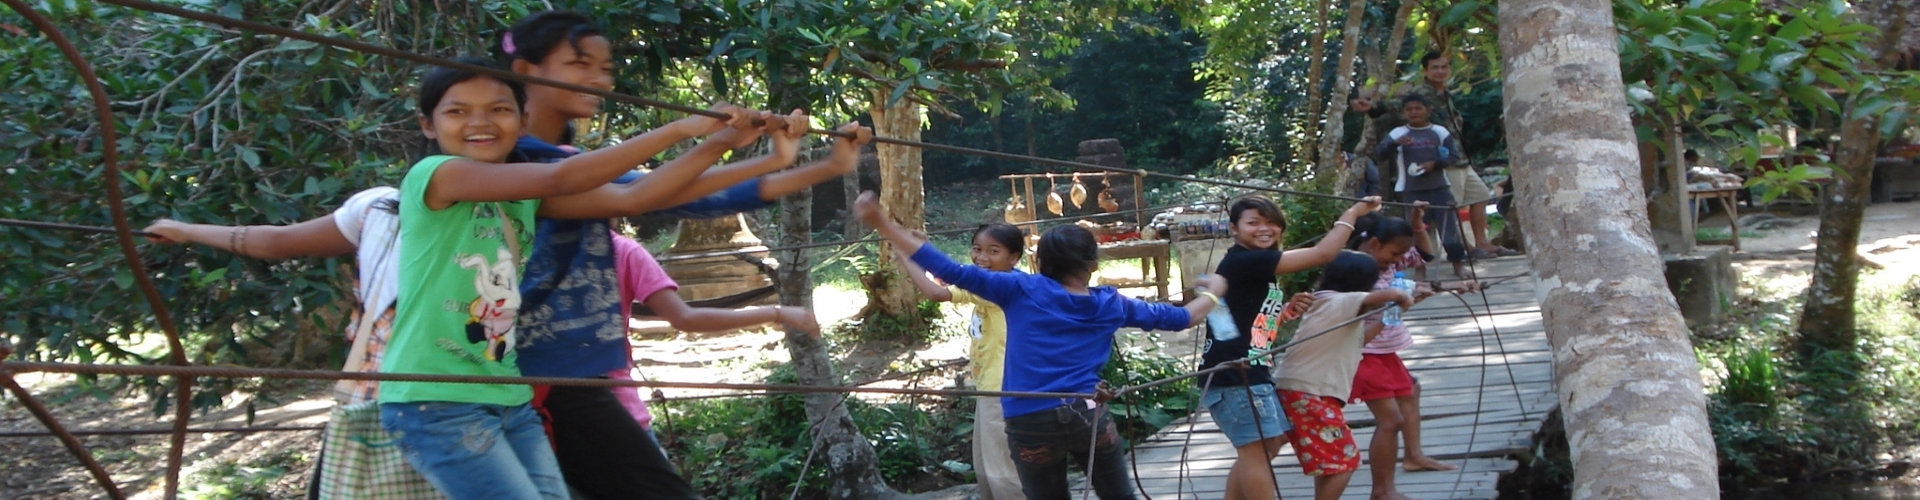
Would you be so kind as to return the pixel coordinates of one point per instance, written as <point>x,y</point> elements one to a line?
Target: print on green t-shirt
<point>459,295</point>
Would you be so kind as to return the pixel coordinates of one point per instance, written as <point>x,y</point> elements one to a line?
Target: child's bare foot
<point>1417,464</point>
<point>1388,495</point>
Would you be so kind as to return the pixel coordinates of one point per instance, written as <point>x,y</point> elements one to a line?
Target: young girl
<point>997,247</point>
<point>1059,333</point>
<point>1245,407</point>
<point>463,231</point>
<point>1382,380</point>
<point>1316,375</point>
<point>572,298</point>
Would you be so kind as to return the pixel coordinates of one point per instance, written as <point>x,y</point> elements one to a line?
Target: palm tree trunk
<point>1628,381</point>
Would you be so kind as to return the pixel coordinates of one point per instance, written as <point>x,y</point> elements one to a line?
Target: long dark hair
<point>436,83</point>
<point>1375,226</point>
<point>534,37</point>
<point>1068,251</point>
<point>1349,272</point>
<point>1006,235</point>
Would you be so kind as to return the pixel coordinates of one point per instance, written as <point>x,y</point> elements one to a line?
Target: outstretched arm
<point>462,179</point>
<point>1207,297</point>
<point>844,160</point>
<point>656,190</point>
<point>933,291</point>
<point>712,319</point>
<point>311,238</point>
<point>1321,253</point>
<point>786,132</point>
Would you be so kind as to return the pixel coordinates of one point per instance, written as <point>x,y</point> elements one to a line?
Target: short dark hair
<point>535,36</point>
<point>1350,271</point>
<point>1068,251</point>
<point>1004,234</point>
<point>1430,57</point>
<point>1413,98</point>
<point>1258,204</point>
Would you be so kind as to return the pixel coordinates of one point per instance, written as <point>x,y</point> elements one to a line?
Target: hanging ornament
<point>1078,192</point>
<point>1054,203</point>
<point>1016,211</point>
<point>1106,201</point>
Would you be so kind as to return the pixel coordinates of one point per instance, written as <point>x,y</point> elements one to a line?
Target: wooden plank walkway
<point>1485,396</point>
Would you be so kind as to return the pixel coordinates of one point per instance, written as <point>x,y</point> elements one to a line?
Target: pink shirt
<point>640,277</point>
<point>1393,338</point>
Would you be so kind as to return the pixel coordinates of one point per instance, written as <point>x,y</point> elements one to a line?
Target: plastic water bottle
<point>1221,322</point>
<point>1391,317</point>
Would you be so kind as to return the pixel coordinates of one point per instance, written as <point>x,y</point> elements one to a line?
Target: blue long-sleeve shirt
<point>570,307</point>
<point>1056,340</point>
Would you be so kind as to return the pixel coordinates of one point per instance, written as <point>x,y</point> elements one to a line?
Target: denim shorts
<point>476,451</point>
<point>1235,413</point>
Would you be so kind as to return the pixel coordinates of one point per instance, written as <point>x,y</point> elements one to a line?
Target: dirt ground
<point>1777,248</point>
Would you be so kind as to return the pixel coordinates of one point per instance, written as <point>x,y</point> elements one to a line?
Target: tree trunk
<point>1629,385</point>
<point>852,466</point>
<point>1328,164</point>
<point>1316,65</point>
<point>1668,211</point>
<point>1379,71</point>
<point>850,189</point>
<point>889,291</point>
<point>1827,319</point>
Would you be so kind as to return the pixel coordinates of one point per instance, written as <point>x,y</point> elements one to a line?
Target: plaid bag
<point>359,461</point>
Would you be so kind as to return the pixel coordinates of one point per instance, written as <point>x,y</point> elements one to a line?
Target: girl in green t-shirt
<point>465,226</point>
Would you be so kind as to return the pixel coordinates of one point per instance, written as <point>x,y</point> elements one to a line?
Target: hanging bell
<point>1054,203</point>
<point>1106,201</point>
<point>1078,192</point>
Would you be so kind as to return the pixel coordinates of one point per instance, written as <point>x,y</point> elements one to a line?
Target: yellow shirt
<point>989,330</point>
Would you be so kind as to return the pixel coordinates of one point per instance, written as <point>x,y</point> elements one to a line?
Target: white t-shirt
<point>371,220</point>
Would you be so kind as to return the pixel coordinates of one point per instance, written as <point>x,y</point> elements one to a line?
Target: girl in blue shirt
<point>1059,334</point>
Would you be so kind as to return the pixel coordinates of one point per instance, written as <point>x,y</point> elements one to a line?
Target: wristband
<point>1345,223</point>
<point>1210,295</point>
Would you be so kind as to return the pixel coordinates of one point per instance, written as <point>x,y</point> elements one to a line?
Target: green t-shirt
<point>459,295</point>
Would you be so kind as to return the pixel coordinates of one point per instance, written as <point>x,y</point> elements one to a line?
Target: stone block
<point>1703,283</point>
<point>1100,147</point>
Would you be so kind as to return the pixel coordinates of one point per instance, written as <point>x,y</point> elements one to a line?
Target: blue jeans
<point>477,451</point>
<point>1042,442</point>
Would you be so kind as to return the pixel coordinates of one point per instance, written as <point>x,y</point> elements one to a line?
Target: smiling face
<point>1252,230</point>
<point>989,253</point>
<point>590,65</point>
<point>475,119</point>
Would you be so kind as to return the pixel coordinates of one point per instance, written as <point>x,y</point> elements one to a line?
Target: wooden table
<point>1728,200</point>
<point>1153,255</point>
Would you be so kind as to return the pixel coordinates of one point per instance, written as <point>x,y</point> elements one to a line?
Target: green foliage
<point>1827,416</point>
<point>215,126</point>
<point>1730,70</point>
<point>755,448</point>
<point>1140,414</point>
<point>1160,113</point>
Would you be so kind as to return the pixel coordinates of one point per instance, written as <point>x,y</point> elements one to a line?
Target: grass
<point>1832,415</point>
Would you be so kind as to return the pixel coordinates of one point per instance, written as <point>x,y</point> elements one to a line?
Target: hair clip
<point>506,43</point>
